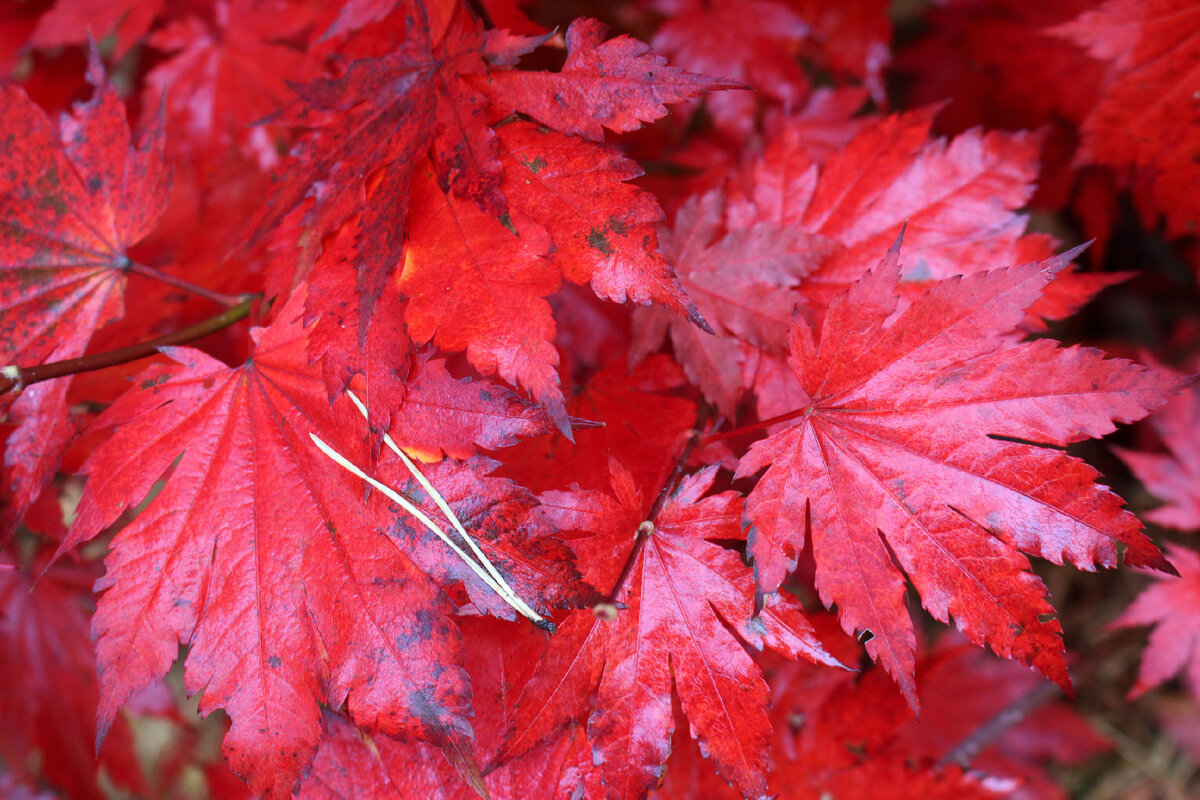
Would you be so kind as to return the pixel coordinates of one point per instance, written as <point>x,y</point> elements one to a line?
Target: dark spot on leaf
<point>535,164</point>
<point>53,203</point>
<point>150,383</point>
<point>506,221</point>
<point>597,241</point>
<point>274,662</point>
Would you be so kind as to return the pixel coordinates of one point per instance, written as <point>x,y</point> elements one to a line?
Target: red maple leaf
<point>570,206</point>
<point>478,285</point>
<point>1174,476</point>
<point>1171,605</point>
<point>500,658</point>
<point>48,695</point>
<point>411,396</point>
<point>643,422</point>
<point>73,199</point>
<point>228,69</point>
<point>1150,49</point>
<point>847,748</point>
<point>997,64</point>
<point>849,39</point>
<point>379,362</point>
<point>753,42</point>
<point>513,531</point>
<point>616,84</point>
<point>367,128</point>
<point>282,583</point>
<point>799,232</point>
<point>442,415</point>
<point>75,21</point>
<point>439,216</point>
<point>668,627</point>
<point>957,199</point>
<point>602,227</point>
<point>891,467</point>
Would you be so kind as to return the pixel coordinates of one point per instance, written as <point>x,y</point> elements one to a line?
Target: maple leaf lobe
<point>618,84</point>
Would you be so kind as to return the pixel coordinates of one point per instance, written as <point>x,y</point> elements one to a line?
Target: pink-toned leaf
<point>1172,606</point>
<point>1173,476</point>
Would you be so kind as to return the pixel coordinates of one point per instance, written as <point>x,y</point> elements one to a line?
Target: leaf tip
<point>698,319</point>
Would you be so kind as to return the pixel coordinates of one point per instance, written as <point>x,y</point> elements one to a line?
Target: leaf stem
<point>14,378</point>
<point>179,283</point>
<point>758,426</point>
<point>646,529</point>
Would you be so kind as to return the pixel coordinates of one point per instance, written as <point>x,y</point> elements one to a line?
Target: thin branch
<point>986,734</point>
<point>180,283</point>
<point>14,378</point>
<point>480,11</point>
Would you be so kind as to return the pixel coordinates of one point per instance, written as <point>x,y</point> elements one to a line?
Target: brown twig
<point>986,734</point>
<point>15,378</point>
